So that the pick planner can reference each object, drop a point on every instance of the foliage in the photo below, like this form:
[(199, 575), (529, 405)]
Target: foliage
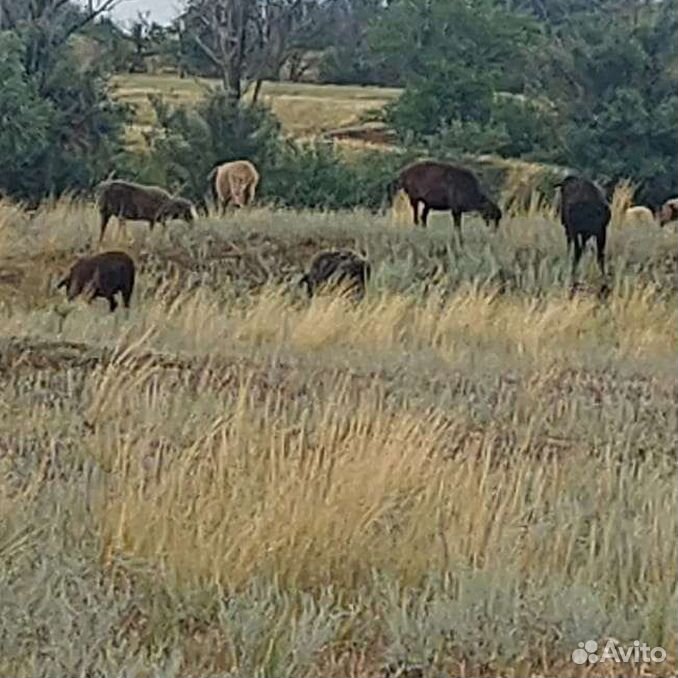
[(189, 140), (317, 175), (63, 131), (619, 107), (587, 85), (26, 120), (453, 57), (348, 58)]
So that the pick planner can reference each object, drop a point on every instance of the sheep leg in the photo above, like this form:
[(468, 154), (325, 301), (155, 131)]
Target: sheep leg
[(456, 216), (223, 204), (112, 303), (122, 227), (105, 218), (578, 242), (415, 210), (424, 215), (126, 296), (600, 250)]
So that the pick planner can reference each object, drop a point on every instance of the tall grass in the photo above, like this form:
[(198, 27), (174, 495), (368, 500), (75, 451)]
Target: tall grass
[(459, 474)]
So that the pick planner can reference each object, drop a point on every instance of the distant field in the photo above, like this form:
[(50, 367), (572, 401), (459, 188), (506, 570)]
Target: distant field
[(303, 109), (467, 474)]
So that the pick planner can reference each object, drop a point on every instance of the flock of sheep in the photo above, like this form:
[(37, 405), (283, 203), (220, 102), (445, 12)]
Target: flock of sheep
[(584, 214)]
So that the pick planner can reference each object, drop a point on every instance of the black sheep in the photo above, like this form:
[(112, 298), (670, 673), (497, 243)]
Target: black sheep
[(340, 268), (103, 275), (441, 186), (585, 214)]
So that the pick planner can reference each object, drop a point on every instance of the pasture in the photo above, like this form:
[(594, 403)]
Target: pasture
[(304, 110), (466, 474)]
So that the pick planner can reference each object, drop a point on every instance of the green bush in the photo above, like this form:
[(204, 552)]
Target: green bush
[(318, 175), (60, 129), (189, 140)]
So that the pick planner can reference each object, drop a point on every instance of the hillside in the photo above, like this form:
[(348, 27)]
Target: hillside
[(303, 109), (231, 480)]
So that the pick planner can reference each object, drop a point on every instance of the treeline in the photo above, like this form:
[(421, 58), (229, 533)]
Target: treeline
[(587, 85)]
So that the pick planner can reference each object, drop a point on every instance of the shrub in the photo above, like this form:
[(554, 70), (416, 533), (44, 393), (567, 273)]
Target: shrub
[(60, 130), (189, 140)]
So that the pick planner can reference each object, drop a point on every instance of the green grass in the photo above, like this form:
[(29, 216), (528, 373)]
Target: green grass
[(469, 472), (303, 109)]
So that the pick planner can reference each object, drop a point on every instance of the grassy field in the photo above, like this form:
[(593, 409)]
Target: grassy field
[(303, 109), (468, 473)]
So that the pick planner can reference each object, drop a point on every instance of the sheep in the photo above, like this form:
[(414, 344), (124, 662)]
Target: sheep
[(127, 200), (639, 215), (584, 213), (668, 212), (441, 186), (102, 275), (235, 181), (338, 267)]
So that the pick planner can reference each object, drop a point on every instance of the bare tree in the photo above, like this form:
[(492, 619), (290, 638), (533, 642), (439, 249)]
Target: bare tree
[(248, 41)]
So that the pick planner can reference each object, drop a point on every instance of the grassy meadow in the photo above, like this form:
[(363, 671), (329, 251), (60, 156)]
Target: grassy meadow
[(466, 474), (304, 109)]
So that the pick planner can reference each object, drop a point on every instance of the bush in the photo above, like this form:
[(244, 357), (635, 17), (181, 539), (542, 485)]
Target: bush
[(319, 175), (61, 130), (189, 140), (26, 122)]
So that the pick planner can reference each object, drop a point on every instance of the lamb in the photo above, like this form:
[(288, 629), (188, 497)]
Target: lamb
[(127, 200), (585, 214), (235, 181), (639, 215), (668, 212), (341, 267), (102, 275), (441, 186)]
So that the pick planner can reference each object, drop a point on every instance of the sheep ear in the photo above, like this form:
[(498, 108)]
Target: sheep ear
[(62, 283)]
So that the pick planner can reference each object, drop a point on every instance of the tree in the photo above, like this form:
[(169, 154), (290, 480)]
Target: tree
[(348, 57), (247, 41), (26, 120), (64, 131), (453, 56), (614, 77)]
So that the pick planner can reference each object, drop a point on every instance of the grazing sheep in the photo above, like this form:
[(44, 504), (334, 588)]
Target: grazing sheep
[(639, 215), (103, 275), (127, 200), (668, 212), (338, 267), (440, 186), (235, 181), (585, 214)]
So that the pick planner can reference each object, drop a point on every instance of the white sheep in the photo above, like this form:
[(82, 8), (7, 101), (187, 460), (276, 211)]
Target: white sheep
[(639, 215)]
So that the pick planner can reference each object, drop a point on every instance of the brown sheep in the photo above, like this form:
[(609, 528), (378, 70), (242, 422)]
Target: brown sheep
[(102, 275), (235, 182), (668, 212), (584, 214), (341, 267), (127, 200), (441, 186)]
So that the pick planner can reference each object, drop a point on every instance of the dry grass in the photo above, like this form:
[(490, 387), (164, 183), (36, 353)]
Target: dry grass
[(303, 109), (470, 477)]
